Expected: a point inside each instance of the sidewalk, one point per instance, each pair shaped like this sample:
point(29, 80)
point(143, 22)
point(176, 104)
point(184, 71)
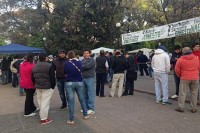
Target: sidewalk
point(130, 114)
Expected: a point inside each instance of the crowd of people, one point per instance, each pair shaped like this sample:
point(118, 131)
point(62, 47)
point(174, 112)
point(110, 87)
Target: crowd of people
point(73, 75)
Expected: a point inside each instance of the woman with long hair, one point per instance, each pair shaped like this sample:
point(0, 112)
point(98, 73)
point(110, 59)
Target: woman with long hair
point(25, 72)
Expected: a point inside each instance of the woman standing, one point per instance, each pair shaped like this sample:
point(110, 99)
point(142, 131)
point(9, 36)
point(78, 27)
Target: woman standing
point(25, 73)
point(74, 83)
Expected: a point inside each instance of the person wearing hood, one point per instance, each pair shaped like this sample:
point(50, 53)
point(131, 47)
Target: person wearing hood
point(187, 69)
point(161, 67)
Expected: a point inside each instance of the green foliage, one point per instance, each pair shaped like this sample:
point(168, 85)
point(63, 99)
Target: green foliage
point(2, 41)
point(79, 24)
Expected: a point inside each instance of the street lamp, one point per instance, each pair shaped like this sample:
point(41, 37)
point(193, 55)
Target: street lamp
point(44, 39)
point(118, 25)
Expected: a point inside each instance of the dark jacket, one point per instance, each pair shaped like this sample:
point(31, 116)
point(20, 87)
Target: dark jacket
point(119, 64)
point(100, 64)
point(44, 76)
point(88, 66)
point(4, 65)
point(73, 70)
point(142, 59)
point(131, 69)
point(58, 66)
point(16, 65)
point(173, 58)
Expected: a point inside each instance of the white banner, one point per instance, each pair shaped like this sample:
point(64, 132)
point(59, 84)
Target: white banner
point(166, 31)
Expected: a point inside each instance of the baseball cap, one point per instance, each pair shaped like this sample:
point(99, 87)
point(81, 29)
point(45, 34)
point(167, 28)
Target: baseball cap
point(61, 51)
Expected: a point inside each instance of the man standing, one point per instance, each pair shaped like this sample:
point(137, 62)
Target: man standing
point(58, 66)
point(44, 78)
point(175, 56)
point(142, 61)
point(4, 70)
point(101, 69)
point(88, 66)
point(187, 68)
point(131, 75)
point(161, 67)
point(119, 66)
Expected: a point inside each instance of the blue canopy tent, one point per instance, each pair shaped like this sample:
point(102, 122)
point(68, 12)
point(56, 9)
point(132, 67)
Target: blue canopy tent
point(19, 49)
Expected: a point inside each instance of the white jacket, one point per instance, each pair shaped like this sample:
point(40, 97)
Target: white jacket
point(12, 69)
point(160, 62)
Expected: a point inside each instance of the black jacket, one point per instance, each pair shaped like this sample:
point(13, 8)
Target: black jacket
point(44, 76)
point(4, 65)
point(131, 69)
point(58, 66)
point(119, 64)
point(16, 65)
point(174, 56)
point(142, 59)
point(100, 64)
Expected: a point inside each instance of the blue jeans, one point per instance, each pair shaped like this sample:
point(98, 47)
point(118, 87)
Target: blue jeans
point(21, 90)
point(4, 77)
point(177, 83)
point(71, 88)
point(150, 71)
point(14, 80)
point(89, 93)
point(62, 91)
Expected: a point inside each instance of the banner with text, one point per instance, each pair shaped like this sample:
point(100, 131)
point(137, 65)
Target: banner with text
point(166, 31)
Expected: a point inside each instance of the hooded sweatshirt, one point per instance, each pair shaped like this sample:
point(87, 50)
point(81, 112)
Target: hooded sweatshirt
point(187, 67)
point(160, 62)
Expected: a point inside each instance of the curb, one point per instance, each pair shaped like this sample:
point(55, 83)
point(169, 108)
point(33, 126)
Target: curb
point(151, 93)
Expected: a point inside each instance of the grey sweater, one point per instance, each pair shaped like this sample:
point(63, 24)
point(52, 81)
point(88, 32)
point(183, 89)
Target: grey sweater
point(88, 66)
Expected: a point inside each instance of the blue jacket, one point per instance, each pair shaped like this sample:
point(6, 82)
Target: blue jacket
point(72, 74)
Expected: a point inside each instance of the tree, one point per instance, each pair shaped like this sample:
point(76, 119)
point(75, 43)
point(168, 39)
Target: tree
point(2, 41)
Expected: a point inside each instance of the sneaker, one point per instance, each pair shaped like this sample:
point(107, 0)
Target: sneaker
point(63, 108)
point(70, 122)
point(44, 122)
point(167, 102)
point(193, 110)
point(37, 109)
point(179, 110)
point(158, 101)
point(110, 95)
point(32, 114)
point(174, 96)
point(86, 117)
point(90, 112)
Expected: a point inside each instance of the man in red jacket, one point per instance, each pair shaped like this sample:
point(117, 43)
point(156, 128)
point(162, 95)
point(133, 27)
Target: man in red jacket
point(187, 69)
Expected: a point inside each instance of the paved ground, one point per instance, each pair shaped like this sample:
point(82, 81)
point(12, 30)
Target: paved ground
point(130, 114)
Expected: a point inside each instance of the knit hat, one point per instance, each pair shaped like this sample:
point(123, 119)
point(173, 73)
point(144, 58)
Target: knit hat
point(162, 47)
